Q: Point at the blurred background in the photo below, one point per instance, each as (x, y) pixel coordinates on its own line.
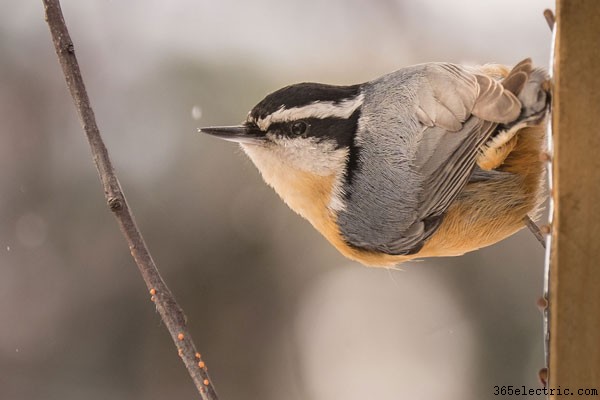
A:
(276, 312)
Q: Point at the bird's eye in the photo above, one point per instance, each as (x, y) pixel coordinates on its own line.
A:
(299, 128)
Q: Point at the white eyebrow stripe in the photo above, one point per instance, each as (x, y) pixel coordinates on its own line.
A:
(319, 109)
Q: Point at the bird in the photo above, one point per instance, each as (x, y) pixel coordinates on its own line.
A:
(435, 159)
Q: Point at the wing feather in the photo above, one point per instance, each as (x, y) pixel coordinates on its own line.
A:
(442, 114)
(447, 151)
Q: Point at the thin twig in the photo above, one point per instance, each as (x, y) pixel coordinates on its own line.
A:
(170, 312)
(544, 301)
(549, 15)
(535, 230)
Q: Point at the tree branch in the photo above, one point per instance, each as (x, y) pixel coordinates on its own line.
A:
(170, 312)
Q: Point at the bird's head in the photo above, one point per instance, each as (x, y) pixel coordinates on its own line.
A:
(307, 127)
(302, 140)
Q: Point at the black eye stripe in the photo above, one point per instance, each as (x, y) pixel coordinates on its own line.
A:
(340, 130)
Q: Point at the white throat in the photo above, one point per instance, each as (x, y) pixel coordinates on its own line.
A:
(287, 167)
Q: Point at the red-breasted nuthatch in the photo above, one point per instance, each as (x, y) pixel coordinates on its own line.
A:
(435, 159)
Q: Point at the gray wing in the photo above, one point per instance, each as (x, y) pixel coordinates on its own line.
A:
(428, 141)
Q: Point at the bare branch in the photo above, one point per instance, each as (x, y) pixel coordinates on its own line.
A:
(535, 230)
(550, 20)
(170, 312)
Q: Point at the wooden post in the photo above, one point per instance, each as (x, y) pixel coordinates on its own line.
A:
(574, 361)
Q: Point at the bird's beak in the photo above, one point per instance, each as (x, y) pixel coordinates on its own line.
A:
(239, 133)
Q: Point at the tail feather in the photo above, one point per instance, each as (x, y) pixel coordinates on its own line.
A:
(530, 85)
(518, 76)
(535, 96)
(532, 89)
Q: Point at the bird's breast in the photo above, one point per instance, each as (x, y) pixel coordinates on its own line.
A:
(305, 192)
(310, 195)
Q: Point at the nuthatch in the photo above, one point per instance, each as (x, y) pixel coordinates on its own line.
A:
(436, 159)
